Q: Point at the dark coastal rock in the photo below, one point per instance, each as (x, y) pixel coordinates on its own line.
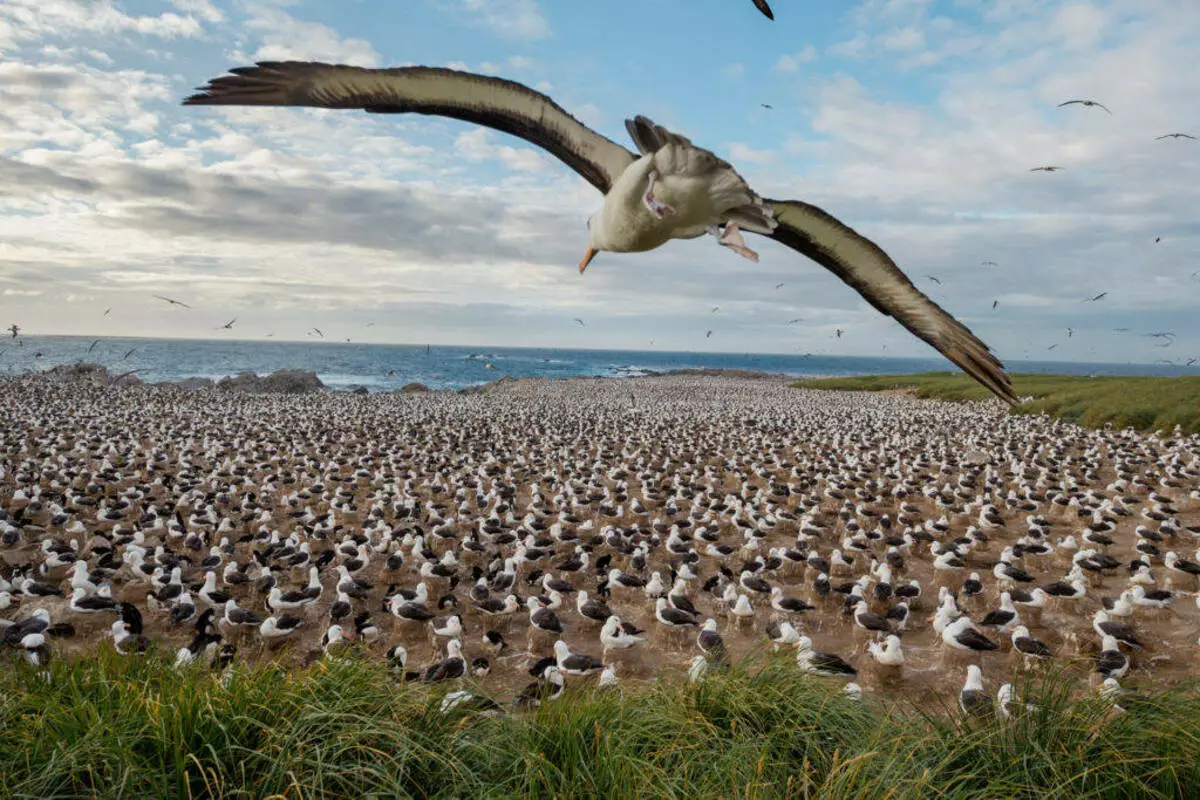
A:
(484, 388)
(82, 372)
(94, 374)
(360, 390)
(411, 388)
(283, 381)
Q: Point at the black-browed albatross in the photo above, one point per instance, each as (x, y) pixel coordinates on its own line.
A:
(674, 190)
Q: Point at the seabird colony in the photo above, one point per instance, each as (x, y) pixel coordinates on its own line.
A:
(597, 529)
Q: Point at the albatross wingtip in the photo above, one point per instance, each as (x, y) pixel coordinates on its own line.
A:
(762, 6)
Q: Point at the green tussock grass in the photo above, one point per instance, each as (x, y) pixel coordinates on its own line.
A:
(106, 726)
(1141, 403)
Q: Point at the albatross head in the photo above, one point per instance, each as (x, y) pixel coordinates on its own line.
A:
(596, 239)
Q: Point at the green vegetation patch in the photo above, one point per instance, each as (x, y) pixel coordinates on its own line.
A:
(106, 726)
(1142, 403)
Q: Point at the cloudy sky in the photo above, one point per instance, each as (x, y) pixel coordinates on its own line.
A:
(914, 121)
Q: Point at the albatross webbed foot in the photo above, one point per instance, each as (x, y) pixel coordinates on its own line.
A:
(732, 238)
(658, 209)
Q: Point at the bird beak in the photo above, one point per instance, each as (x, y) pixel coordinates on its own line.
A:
(587, 259)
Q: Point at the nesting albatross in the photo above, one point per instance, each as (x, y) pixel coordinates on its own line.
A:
(674, 190)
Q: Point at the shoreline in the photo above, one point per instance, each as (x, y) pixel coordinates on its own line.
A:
(293, 381)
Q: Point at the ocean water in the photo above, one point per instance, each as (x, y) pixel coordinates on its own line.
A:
(381, 367)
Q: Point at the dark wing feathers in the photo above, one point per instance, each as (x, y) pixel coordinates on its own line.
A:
(863, 265)
(493, 102)
(762, 6)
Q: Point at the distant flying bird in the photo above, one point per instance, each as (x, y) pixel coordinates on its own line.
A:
(994, 304)
(1174, 136)
(172, 302)
(1162, 335)
(935, 280)
(15, 330)
(839, 333)
(228, 325)
(106, 311)
(1070, 332)
(577, 319)
(370, 324)
(766, 105)
(1051, 347)
(1045, 169)
(669, 189)
(779, 286)
(708, 335)
(1088, 103)
(318, 332)
(762, 6)
(989, 264)
(132, 350)
(794, 321)
(1121, 330)
(1100, 296)
(1190, 361)
(93, 347)
(715, 309)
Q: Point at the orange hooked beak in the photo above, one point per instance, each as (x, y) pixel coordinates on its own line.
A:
(587, 259)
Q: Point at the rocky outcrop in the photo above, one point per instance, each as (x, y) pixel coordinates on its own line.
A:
(81, 372)
(95, 374)
(413, 388)
(283, 381)
(484, 388)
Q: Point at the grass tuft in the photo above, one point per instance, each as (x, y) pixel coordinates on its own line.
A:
(108, 726)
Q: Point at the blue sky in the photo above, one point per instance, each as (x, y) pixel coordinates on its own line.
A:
(914, 121)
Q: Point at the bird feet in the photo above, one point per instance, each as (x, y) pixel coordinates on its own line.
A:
(659, 209)
(732, 238)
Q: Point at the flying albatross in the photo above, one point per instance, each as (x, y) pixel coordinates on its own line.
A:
(674, 190)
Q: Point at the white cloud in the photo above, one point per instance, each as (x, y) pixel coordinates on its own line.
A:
(906, 38)
(791, 63)
(204, 9)
(852, 48)
(739, 152)
(29, 20)
(285, 37)
(512, 19)
(477, 145)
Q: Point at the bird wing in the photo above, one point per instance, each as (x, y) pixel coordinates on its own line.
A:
(493, 102)
(860, 263)
(762, 6)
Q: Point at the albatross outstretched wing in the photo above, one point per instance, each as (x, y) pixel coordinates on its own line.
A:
(861, 263)
(493, 102)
